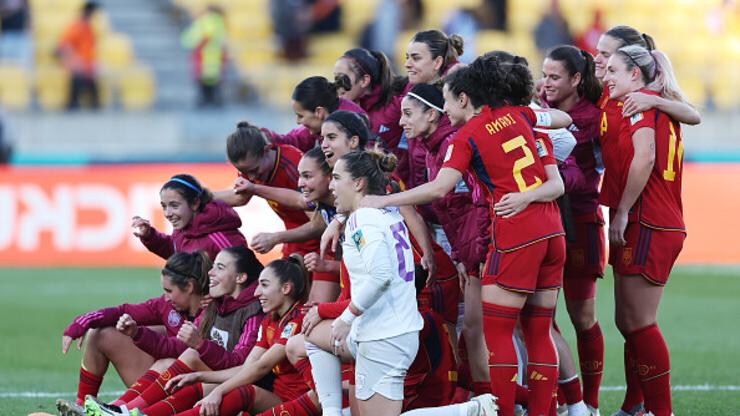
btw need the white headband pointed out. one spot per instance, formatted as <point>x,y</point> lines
<point>425,102</point>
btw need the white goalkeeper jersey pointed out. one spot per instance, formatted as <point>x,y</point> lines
<point>380,262</point>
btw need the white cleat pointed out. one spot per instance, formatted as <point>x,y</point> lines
<point>594,411</point>
<point>486,405</point>
<point>562,410</point>
<point>519,410</point>
<point>637,410</point>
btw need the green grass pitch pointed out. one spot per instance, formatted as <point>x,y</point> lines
<point>699,317</point>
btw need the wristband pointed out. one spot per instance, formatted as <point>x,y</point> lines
<point>347,316</point>
<point>544,119</point>
<point>341,218</point>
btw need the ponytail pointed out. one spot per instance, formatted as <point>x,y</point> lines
<point>293,270</point>
<point>371,165</point>
<point>317,91</point>
<point>665,80</point>
<point>247,141</point>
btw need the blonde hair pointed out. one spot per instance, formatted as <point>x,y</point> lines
<point>656,69</point>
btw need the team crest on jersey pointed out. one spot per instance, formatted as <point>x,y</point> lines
<point>627,256</point>
<point>635,118</point>
<point>541,148</point>
<point>358,239</point>
<point>219,337</point>
<point>448,155</point>
<point>173,318</point>
<point>288,330</point>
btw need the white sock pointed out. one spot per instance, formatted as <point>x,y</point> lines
<point>460,409</point>
<point>327,376</point>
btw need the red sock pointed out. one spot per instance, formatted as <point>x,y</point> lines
<point>522,395</point>
<point>237,400</point>
<point>89,384</point>
<point>303,366</point>
<point>498,328</point>
<point>183,399</point>
<point>135,390</point>
<point>542,366</point>
<point>302,406</point>
<point>633,395</point>
<point>591,357</point>
<point>651,353</point>
<point>155,392</point>
<point>560,399</point>
<point>481,387</point>
<point>571,390</point>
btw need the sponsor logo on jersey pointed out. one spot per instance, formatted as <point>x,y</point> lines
<point>174,318</point>
<point>358,239</point>
<point>635,118</point>
<point>448,155</point>
<point>382,129</point>
<point>219,337</point>
<point>288,330</point>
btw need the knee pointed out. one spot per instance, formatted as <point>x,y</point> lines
<point>190,357</point>
<point>582,318</point>
<point>102,339</point>
<point>295,349</point>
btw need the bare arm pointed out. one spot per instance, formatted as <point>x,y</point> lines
<point>514,203</point>
<point>253,370</point>
<point>643,140</point>
<point>637,102</point>
<point>445,181</point>
<point>232,198</point>
<point>289,198</point>
<point>309,231</point>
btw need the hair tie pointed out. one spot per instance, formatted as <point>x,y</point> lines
<point>418,97</point>
<point>188,184</point>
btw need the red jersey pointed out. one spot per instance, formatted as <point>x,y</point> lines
<point>289,383</point>
<point>659,205</point>
<point>285,175</point>
<point>614,151</point>
<point>499,148</point>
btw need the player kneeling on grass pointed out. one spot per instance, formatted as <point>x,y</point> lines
<point>221,338</point>
<point>184,280</point>
<point>379,329</point>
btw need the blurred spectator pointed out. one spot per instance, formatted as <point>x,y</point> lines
<point>325,16</point>
<point>391,17</point>
<point>76,50</point>
<point>590,37</point>
<point>291,21</point>
<point>552,30</point>
<point>464,22</point>
<point>206,38</point>
<point>15,44</point>
<point>492,14</point>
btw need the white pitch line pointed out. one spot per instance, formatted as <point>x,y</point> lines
<point>45,394</point>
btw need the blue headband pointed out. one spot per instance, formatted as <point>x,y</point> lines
<point>188,184</point>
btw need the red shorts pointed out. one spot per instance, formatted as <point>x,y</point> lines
<point>538,266</point>
<point>325,277</point>
<point>443,297</point>
<point>585,258</point>
<point>649,252</point>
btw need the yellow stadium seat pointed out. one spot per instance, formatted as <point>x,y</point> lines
<point>136,88</point>
<point>15,88</point>
<point>115,51</point>
<point>356,15</point>
<point>52,87</point>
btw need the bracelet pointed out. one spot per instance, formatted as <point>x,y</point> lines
<point>347,316</point>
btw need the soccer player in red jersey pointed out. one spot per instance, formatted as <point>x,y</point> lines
<point>527,251</point>
<point>647,229</point>
<point>613,113</point>
<point>184,281</point>
<point>570,85</point>
<point>260,162</point>
<point>314,195</point>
